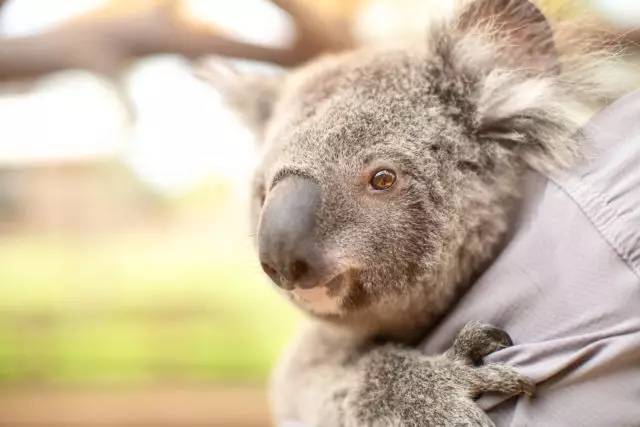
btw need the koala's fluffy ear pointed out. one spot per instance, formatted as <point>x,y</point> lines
<point>521,29</point>
<point>507,47</point>
<point>251,97</point>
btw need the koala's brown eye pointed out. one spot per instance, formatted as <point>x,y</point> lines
<point>383,179</point>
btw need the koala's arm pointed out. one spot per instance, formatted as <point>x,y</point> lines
<point>333,379</point>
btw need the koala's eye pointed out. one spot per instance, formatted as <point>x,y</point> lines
<point>383,179</point>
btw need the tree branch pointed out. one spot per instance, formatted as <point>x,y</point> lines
<point>106,46</point>
<point>315,35</point>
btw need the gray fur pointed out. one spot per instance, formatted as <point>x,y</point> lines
<point>459,118</point>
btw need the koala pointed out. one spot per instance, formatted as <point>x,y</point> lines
<point>387,177</point>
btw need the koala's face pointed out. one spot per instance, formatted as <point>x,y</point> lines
<point>386,172</point>
<point>354,183</point>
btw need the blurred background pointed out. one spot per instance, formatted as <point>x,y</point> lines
<point>129,291</point>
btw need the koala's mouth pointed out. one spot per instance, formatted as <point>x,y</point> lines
<point>326,298</point>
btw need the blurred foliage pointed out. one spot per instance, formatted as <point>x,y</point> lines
<point>134,308</point>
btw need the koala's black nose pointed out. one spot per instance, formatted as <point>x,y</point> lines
<point>288,250</point>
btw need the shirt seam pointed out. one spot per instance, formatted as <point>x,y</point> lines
<point>604,230</point>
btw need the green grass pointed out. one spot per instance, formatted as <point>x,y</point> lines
<point>136,308</point>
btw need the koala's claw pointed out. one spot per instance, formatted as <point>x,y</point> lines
<point>529,387</point>
<point>500,337</point>
<point>476,341</point>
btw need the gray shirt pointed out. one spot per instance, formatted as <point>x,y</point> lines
<point>566,286</point>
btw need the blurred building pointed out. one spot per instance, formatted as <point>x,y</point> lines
<point>75,197</point>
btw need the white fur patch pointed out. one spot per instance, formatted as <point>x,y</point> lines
<point>317,300</point>
<point>504,97</point>
<point>521,96</point>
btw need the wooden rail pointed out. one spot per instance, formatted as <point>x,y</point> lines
<point>151,406</point>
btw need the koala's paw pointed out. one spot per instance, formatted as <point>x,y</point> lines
<point>495,378</point>
<point>401,387</point>
<point>476,341</point>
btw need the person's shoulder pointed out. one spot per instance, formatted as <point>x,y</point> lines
<point>606,185</point>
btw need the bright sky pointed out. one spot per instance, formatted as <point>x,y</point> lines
<point>182,133</point>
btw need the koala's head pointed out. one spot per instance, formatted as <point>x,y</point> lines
<point>387,172</point>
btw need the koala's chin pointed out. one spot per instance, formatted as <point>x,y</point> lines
<point>327,300</point>
<point>317,301</point>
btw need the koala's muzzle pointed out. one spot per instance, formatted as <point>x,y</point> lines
<point>287,244</point>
